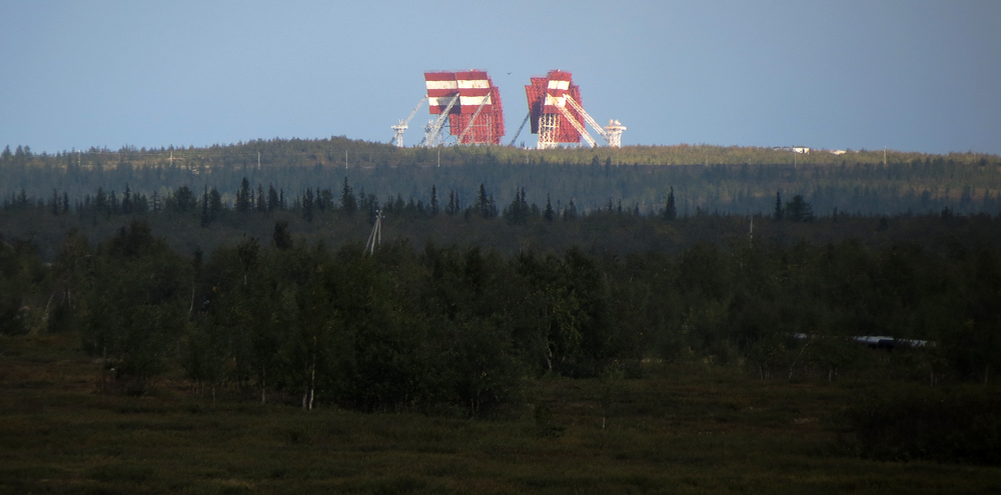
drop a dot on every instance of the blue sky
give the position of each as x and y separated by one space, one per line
909 75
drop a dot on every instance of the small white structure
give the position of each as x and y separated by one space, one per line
614 133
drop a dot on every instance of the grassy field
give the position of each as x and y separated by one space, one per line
681 429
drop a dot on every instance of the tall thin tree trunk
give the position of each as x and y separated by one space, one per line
312 375
264 384
792 367
312 386
191 308
45 316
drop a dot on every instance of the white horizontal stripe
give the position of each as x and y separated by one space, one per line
474 84
473 100
559 85
441 85
560 101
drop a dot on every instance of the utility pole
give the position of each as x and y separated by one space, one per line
375 238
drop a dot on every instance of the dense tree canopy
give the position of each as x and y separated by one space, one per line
461 327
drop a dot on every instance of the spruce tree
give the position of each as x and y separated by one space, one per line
243 197
779 212
307 205
434 201
206 219
670 209
348 202
274 203
262 205
798 210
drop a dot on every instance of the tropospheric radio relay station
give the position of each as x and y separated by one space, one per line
468 106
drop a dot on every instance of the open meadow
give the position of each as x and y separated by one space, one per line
681 428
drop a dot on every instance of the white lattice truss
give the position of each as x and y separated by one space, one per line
432 132
549 126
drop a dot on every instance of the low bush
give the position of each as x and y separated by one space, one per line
953 425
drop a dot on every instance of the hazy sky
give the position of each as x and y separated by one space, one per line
910 75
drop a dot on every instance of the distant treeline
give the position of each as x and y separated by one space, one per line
704 178
508 224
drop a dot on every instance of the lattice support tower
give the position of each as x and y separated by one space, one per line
404 124
576 125
558 116
375 237
432 131
614 130
545 97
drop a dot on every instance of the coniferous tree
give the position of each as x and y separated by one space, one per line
348 202
798 210
100 201
206 219
434 201
127 200
307 205
518 210
324 199
215 203
454 206
670 209
779 211
485 206
274 202
262 202
243 201
570 212
182 201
